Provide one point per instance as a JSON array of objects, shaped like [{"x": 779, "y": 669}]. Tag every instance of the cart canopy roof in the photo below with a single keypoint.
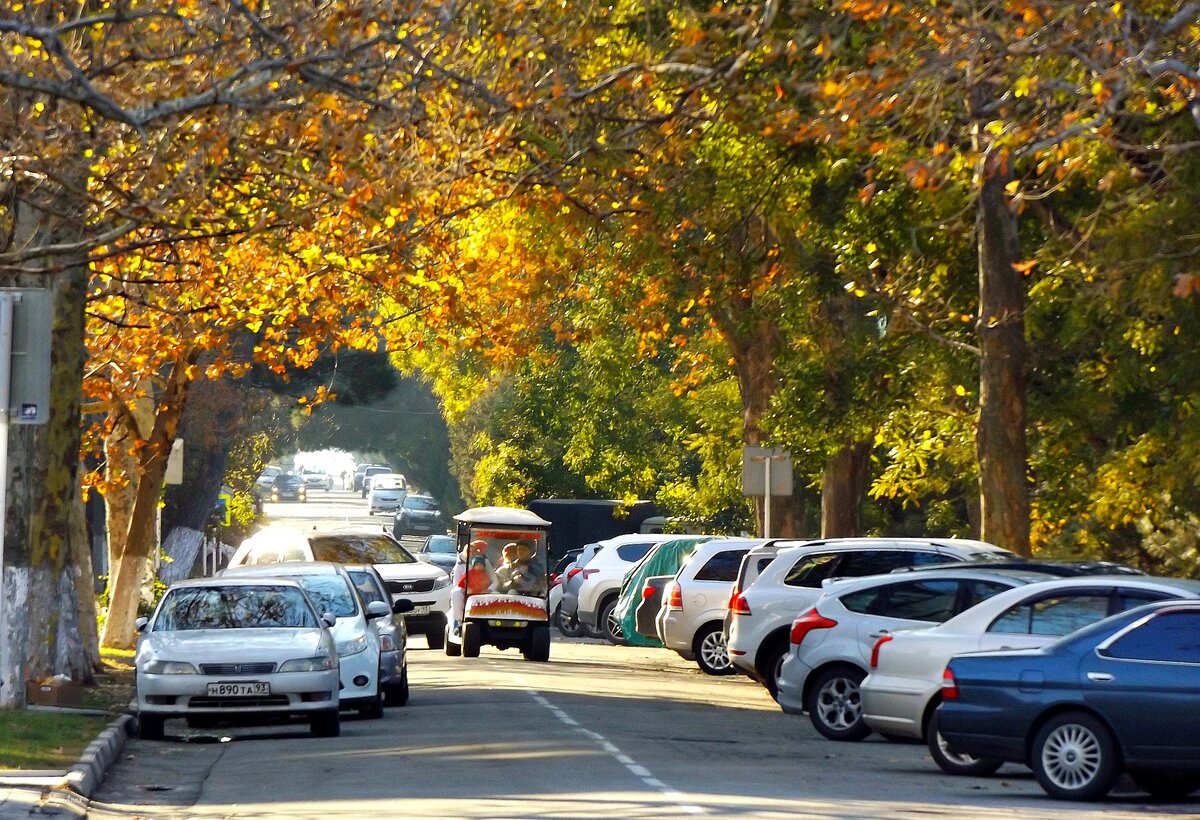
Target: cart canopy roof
[{"x": 507, "y": 516}]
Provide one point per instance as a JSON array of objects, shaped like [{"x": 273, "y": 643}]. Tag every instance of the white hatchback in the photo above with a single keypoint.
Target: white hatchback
[
  {"x": 760, "y": 615},
  {"x": 601, "y": 580}
]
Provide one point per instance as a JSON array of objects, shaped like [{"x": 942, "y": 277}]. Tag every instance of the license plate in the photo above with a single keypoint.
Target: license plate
[
  {"x": 239, "y": 689},
  {"x": 420, "y": 610}
]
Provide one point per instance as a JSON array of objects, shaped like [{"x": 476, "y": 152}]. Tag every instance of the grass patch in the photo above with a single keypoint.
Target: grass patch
[{"x": 45, "y": 740}]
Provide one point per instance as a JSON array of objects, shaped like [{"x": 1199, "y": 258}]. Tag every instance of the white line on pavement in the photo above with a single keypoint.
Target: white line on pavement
[{"x": 637, "y": 770}]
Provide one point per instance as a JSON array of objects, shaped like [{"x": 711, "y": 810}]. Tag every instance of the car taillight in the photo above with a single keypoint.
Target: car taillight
[
  {"x": 571, "y": 573},
  {"x": 733, "y": 593},
  {"x": 647, "y": 591},
  {"x": 875, "y": 650},
  {"x": 738, "y": 605},
  {"x": 949, "y": 686},
  {"x": 807, "y": 623},
  {"x": 674, "y": 596},
  {"x": 555, "y": 580}
]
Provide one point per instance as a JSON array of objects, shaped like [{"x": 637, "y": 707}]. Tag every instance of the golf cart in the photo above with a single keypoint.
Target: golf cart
[{"x": 501, "y": 583}]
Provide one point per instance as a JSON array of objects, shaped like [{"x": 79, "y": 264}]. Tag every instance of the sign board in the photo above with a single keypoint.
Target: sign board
[
  {"x": 174, "y": 473},
  {"x": 29, "y": 380},
  {"x": 754, "y": 471},
  {"x": 222, "y": 508}
]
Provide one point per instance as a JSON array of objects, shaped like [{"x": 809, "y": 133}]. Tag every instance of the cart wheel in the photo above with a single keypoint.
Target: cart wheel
[
  {"x": 452, "y": 649},
  {"x": 538, "y": 647},
  {"x": 471, "y": 640}
]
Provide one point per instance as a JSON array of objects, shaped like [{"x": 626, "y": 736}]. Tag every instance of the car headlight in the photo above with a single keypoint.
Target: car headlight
[
  {"x": 444, "y": 581},
  {"x": 386, "y": 643},
  {"x": 353, "y": 646},
  {"x": 318, "y": 664},
  {"x": 157, "y": 667}
]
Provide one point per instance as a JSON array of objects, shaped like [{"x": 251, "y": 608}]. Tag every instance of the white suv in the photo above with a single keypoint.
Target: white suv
[
  {"x": 692, "y": 617},
  {"x": 831, "y": 643},
  {"x": 601, "y": 578},
  {"x": 760, "y": 616}
]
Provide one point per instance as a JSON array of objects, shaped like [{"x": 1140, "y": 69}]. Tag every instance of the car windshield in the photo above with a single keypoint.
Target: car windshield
[
  {"x": 329, "y": 593},
  {"x": 359, "y": 549},
  {"x": 234, "y": 607},
  {"x": 367, "y": 586},
  {"x": 287, "y": 480},
  {"x": 441, "y": 544},
  {"x": 418, "y": 502}
]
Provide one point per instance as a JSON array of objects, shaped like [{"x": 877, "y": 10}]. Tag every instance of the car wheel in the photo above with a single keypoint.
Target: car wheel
[
  {"x": 453, "y": 649},
  {"x": 711, "y": 654},
  {"x": 1166, "y": 785},
  {"x": 374, "y": 709},
  {"x": 568, "y": 626},
  {"x": 435, "y": 637},
  {"x": 472, "y": 639},
  {"x": 150, "y": 727},
  {"x": 326, "y": 724},
  {"x": 835, "y": 704},
  {"x": 610, "y": 624},
  {"x": 1074, "y": 757},
  {"x": 538, "y": 646},
  {"x": 769, "y": 665},
  {"x": 952, "y": 762}
]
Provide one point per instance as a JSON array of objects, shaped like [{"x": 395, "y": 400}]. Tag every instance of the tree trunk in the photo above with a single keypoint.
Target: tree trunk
[
  {"x": 1000, "y": 438},
  {"x": 140, "y": 543},
  {"x": 842, "y": 487}
]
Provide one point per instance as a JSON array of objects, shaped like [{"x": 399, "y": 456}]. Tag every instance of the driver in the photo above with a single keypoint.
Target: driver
[{"x": 519, "y": 574}]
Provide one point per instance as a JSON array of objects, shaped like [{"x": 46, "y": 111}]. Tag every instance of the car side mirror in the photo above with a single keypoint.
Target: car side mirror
[
  {"x": 378, "y": 609},
  {"x": 141, "y": 623},
  {"x": 329, "y": 619},
  {"x": 402, "y": 605}
]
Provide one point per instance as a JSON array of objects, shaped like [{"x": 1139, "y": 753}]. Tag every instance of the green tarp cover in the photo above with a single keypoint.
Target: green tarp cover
[{"x": 664, "y": 559}]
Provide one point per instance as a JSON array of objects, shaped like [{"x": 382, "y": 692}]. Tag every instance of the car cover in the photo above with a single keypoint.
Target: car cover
[{"x": 664, "y": 559}]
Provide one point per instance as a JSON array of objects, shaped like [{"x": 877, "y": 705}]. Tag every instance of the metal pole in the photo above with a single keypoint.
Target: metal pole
[
  {"x": 767, "y": 499},
  {"x": 6, "y": 335}
]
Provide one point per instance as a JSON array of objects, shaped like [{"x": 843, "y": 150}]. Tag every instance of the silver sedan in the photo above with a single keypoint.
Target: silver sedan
[{"x": 236, "y": 650}]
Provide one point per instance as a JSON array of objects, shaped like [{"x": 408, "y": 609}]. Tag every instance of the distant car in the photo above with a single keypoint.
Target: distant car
[
  {"x": 288, "y": 487},
  {"x": 386, "y": 492},
  {"x": 904, "y": 686},
  {"x": 404, "y": 576},
  {"x": 393, "y": 637},
  {"x": 364, "y": 482},
  {"x": 418, "y": 515},
  {"x": 331, "y": 590},
  {"x": 317, "y": 480},
  {"x": 236, "y": 649},
  {"x": 1117, "y": 696},
  {"x": 267, "y": 477},
  {"x": 439, "y": 550}
]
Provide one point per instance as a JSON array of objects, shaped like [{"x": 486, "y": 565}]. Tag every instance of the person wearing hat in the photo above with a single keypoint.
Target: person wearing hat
[
  {"x": 458, "y": 594},
  {"x": 518, "y": 574}
]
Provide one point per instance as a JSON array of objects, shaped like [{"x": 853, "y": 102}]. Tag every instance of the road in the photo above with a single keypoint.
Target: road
[{"x": 600, "y": 731}]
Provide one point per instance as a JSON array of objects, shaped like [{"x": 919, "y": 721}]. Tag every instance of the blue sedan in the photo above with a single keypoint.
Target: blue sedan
[{"x": 1120, "y": 695}]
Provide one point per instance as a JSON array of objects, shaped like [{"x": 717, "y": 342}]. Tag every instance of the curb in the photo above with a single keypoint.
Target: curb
[{"x": 88, "y": 772}]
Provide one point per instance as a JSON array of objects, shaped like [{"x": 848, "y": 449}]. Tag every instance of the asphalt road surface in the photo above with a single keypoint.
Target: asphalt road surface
[{"x": 599, "y": 731}]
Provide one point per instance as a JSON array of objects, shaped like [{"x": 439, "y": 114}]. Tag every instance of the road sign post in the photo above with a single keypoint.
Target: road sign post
[{"x": 766, "y": 471}]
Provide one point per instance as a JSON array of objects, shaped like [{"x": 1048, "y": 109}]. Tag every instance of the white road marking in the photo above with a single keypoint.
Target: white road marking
[{"x": 636, "y": 769}]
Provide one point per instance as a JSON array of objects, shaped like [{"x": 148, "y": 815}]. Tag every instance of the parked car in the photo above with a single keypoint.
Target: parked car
[
  {"x": 650, "y": 606},
  {"x": 237, "y": 649},
  {"x": 691, "y": 619},
  {"x": 330, "y": 589},
  {"x": 393, "y": 637},
  {"x": 600, "y": 580},
  {"x": 385, "y": 492},
  {"x": 418, "y": 515},
  {"x": 903, "y": 689},
  {"x": 666, "y": 557},
  {"x": 405, "y": 577},
  {"x": 317, "y": 479},
  {"x": 568, "y": 605},
  {"x": 761, "y": 614},
  {"x": 831, "y": 643},
  {"x": 439, "y": 550},
  {"x": 558, "y": 577},
  {"x": 1116, "y": 696},
  {"x": 288, "y": 487}
]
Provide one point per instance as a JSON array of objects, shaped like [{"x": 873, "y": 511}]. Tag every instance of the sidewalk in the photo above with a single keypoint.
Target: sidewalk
[{"x": 63, "y": 793}]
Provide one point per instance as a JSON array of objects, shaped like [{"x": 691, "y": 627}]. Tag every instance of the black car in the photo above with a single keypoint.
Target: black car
[
  {"x": 288, "y": 488},
  {"x": 439, "y": 550},
  {"x": 419, "y": 515},
  {"x": 1118, "y": 695}
]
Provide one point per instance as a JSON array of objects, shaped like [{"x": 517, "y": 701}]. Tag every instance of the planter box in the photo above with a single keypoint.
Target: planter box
[{"x": 53, "y": 692}]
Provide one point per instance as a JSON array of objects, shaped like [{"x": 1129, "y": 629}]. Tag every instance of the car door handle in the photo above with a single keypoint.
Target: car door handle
[
  {"x": 1099, "y": 676},
  {"x": 880, "y": 633}
]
